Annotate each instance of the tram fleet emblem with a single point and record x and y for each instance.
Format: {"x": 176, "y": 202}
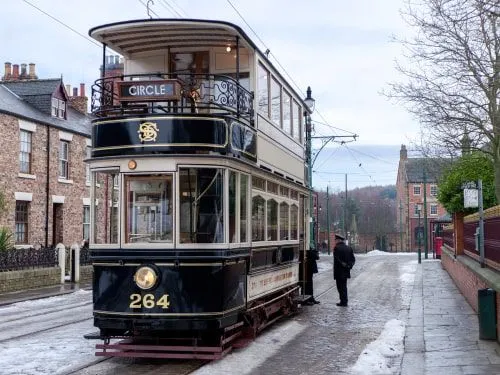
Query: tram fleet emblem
{"x": 148, "y": 131}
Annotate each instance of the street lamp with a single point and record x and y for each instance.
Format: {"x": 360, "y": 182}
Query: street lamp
{"x": 309, "y": 101}
{"x": 419, "y": 234}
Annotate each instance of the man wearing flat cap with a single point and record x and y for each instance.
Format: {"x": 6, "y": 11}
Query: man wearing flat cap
{"x": 343, "y": 261}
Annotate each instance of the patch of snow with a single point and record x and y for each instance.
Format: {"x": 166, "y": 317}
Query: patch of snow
{"x": 383, "y": 356}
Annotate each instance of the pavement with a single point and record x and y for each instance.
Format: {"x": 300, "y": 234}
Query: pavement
{"x": 442, "y": 331}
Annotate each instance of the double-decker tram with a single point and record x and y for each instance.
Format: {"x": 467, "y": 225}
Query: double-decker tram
{"x": 198, "y": 189}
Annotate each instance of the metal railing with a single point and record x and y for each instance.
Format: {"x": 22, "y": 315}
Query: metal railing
{"x": 27, "y": 258}
{"x": 199, "y": 94}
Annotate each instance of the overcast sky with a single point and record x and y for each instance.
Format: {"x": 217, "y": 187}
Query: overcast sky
{"x": 342, "y": 49}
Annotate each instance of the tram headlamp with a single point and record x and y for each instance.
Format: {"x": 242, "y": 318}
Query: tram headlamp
{"x": 145, "y": 277}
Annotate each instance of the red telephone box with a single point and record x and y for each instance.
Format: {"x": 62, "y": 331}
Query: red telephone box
{"x": 438, "y": 243}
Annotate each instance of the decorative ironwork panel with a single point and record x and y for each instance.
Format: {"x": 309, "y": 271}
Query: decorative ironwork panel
{"x": 199, "y": 94}
{"x": 21, "y": 259}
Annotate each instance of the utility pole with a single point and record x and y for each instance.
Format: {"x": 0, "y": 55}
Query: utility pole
{"x": 345, "y": 208}
{"x": 328, "y": 218}
{"x": 426, "y": 240}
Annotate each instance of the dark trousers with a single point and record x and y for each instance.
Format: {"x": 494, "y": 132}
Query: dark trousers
{"x": 309, "y": 284}
{"x": 342, "y": 289}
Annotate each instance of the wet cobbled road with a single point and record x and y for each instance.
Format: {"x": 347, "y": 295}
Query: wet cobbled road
{"x": 325, "y": 338}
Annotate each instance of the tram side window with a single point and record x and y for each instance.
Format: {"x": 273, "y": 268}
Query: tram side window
{"x": 258, "y": 218}
{"x": 263, "y": 90}
{"x": 272, "y": 220}
{"x": 201, "y": 205}
{"x": 284, "y": 221}
{"x": 294, "y": 222}
{"x": 243, "y": 207}
{"x": 232, "y": 207}
{"x": 149, "y": 209}
{"x": 106, "y": 207}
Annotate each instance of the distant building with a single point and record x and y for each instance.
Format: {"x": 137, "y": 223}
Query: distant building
{"x": 45, "y": 139}
{"x": 417, "y": 177}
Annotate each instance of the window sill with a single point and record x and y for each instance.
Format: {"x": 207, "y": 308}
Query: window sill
{"x": 64, "y": 181}
{"x": 27, "y": 175}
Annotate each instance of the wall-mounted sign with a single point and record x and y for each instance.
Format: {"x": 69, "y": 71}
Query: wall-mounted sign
{"x": 169, "y": 89}
{"x": 471, "y": 198}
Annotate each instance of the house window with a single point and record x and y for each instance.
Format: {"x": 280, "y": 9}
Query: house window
{"x": 22, "y": 222}
{"x": 416, "y": 190}
{"x": 64, "y": 159}
{"x": 434, "y": 190}
{"x": 417, "y": 208}
{"x": 86, "y": 223}
{"x": 87, "y": 166}
{"x": 25, "y": 151}
{"x": 58, "y": 108}
{"x": 434, "y": 209}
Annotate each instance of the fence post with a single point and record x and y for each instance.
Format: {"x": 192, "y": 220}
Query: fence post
{"x": 62, "y": 260}
{"x": 75, "y": 272}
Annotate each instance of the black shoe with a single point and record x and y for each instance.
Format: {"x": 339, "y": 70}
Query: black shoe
{"x": 341, "y": 304}
{"x": 309, "y": 303}
{"x": 316, "y": 301}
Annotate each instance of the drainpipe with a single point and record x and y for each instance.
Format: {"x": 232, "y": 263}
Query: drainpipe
{"x": 47, "y": 190}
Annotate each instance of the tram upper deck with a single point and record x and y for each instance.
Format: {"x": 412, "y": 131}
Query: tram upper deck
{"x": 194, "y": 87}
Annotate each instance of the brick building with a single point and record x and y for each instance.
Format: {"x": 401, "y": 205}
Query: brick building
{"x": 45, "y": 138}
{"x": 417, "y": 178}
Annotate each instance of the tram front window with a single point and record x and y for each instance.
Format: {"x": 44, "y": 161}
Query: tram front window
{"x": 105, "y": 192}
{"x": 149, "y": 209}
{"x": 201, "y": 205}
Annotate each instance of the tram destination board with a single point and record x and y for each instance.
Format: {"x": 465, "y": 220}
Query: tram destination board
{"x": 159, "y": 90}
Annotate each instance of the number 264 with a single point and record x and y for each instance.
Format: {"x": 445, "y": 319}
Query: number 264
{"x": 148, "y": 301}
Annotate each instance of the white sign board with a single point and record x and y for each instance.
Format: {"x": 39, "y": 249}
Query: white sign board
{"x": 471, "y": 198}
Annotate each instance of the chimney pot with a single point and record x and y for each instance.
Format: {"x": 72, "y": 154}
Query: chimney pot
{"x": 75, "y": 91}
{"x": 15, "y": 71}
{"x": 68, "y": 89}
{"x": 82, "y": 89}
{"x": 8, "y": 71}
{"x": 24, "y": 72}
{"x": 32, "y": 73}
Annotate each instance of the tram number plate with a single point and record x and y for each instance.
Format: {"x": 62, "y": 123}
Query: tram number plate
{"x": 148, "y": 301}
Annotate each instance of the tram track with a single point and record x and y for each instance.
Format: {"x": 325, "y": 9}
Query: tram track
{"x": 32, "y": 333}
{"x": 32, "y": 314}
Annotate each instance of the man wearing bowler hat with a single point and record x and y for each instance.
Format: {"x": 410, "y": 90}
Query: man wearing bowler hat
{"x": 343, "y": 261}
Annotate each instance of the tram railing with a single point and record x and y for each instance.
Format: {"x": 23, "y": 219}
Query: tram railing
{"x": 198, "y": 94}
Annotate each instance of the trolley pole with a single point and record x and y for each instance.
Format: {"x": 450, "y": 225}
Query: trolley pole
{"x": 426, "y": 239}
{"x": 310, "y": 104}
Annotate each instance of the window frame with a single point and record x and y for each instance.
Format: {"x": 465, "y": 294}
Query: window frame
{"x": 417, "y": 188}
{"x": 64, "y": 162}
{"x": 29, "y": 153}
{"x": 433, "y": 206}
{"x": 24, "y": 224}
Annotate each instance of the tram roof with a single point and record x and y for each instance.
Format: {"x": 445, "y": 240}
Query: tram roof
{"x": 149, "y": 35}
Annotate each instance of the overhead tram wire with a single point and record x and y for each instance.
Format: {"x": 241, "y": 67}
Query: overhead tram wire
{"x": 170, "y": 8}
{"x": 281, "y": 66}
{"x": 180, "y": 8}
{"x": 371, "y": 156}
{"x": 360, "y": 164}
{"x": 63, "y": 24}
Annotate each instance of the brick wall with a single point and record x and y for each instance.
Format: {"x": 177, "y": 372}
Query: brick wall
{"x": 13, "y": 281}
{"x": 468, "y": 282}
{"x": 35, "y": 183}
{"x": 86, "y": 274}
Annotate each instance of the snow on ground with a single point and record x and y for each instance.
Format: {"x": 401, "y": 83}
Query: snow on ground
{"x": 383, "y": 356}
{"x": 248, "y": 359}
{"x": 53, "y": 352}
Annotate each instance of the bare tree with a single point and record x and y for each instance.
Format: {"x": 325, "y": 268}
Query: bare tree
{"x": 453, "y": 74}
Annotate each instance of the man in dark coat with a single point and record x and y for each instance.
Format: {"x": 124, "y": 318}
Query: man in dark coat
{"x": 343, "y": 261}
{"x": 311, "y": 268}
